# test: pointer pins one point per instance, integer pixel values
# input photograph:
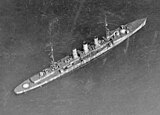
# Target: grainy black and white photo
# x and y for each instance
(79, 57)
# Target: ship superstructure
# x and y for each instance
(80, 57)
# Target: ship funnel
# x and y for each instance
(85, 48)
(75, 55)
(96, 42)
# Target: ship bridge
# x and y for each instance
(64, 61)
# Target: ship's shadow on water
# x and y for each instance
(123, 81)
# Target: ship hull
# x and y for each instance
(135, 26)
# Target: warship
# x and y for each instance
(78, 58)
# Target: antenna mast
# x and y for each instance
(51, 32)
(51, 53)
(106, 27)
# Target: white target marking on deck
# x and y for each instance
(26, 85)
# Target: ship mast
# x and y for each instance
(51, 53)
(106, 27)
(51, 32)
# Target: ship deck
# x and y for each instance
(29, 84)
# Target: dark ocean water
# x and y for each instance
(124, 81)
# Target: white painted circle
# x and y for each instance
(26, 85)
